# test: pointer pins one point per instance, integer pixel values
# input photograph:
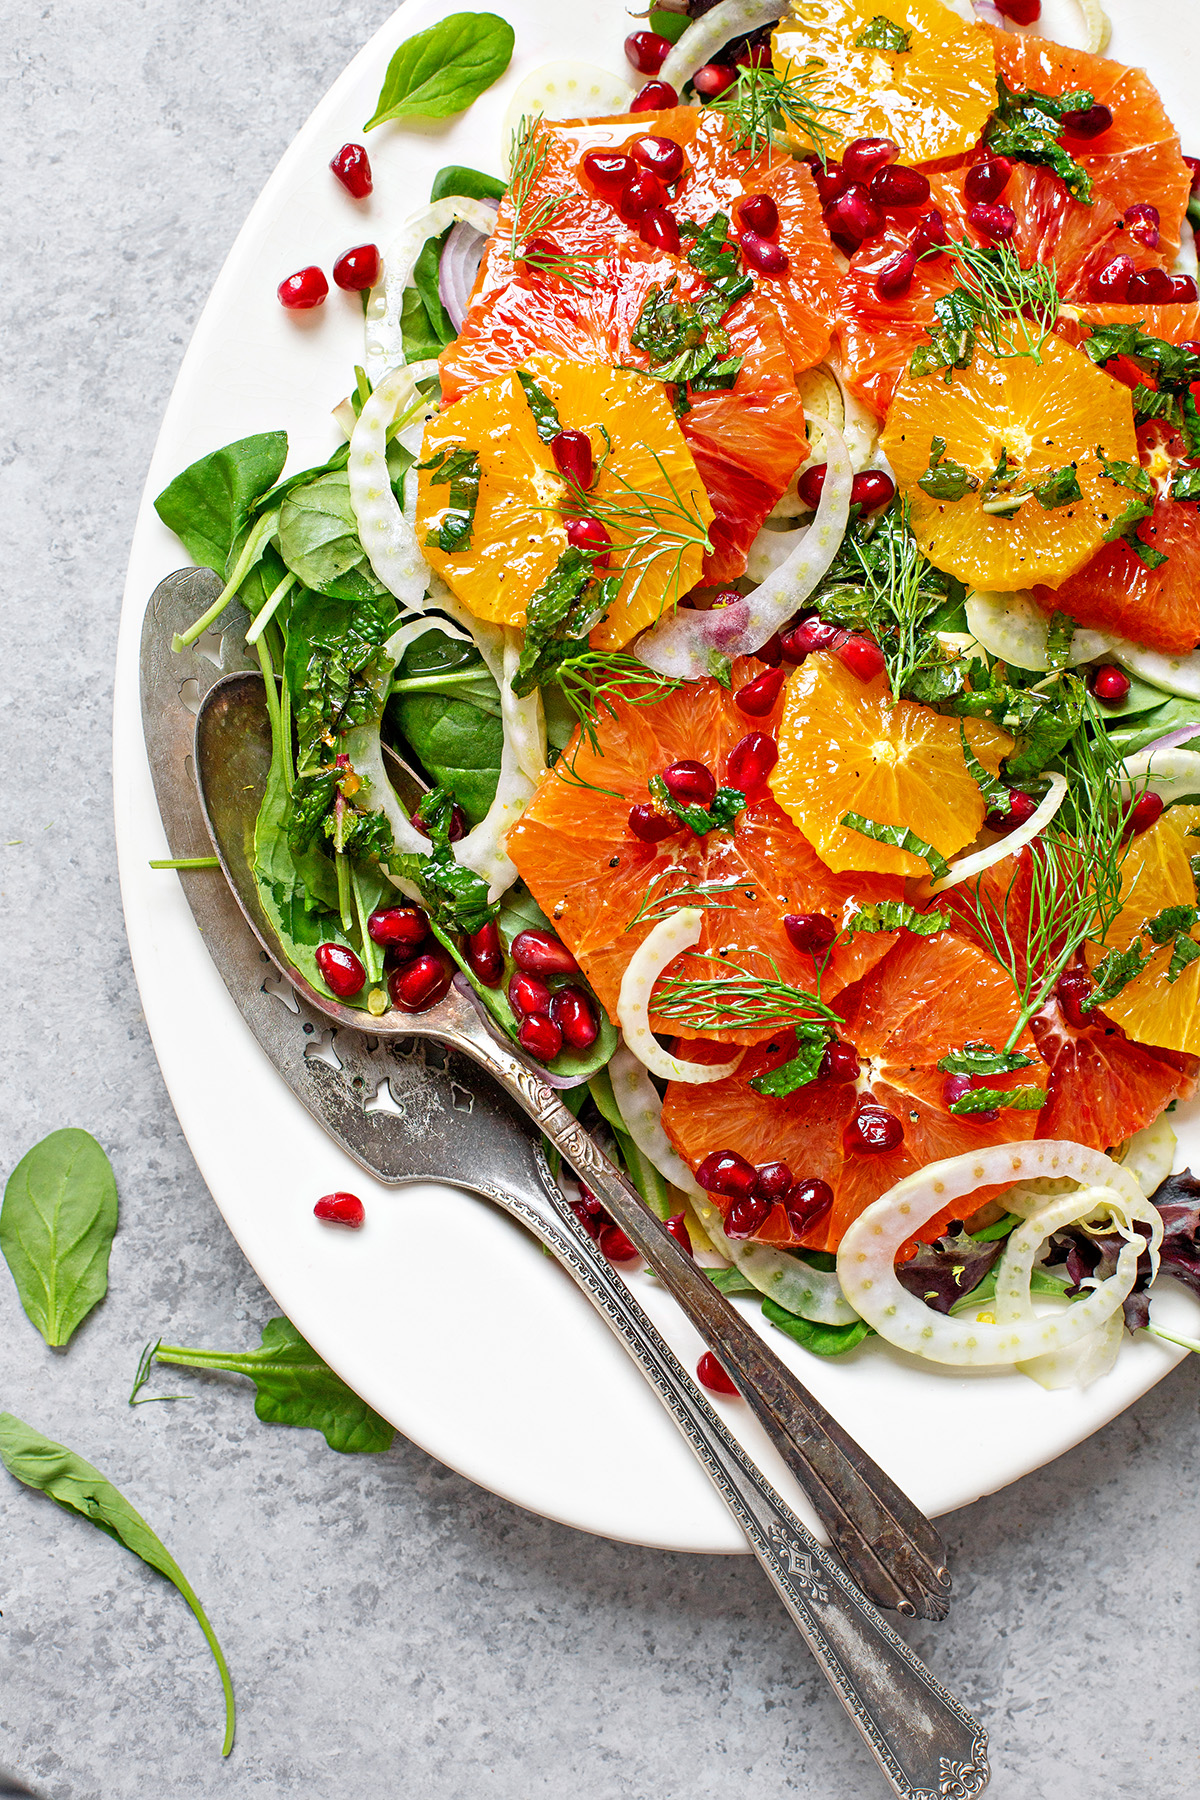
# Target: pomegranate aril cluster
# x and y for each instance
(754, 1191)
(637, 183)
(599, 1224)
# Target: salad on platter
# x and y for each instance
(767, 527)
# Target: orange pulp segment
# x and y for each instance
(1152, 1009)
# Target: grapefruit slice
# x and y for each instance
(846, 747)
(927, 996)
(1043, 418)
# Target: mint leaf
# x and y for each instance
(901, 838)
(884, 34)
(458, 469)
(979, 1058)
(801, 1069)
(719, 815)
(945, 479)
(895, 915)
(1016, 1099)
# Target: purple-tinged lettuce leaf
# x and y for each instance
(941, 1273)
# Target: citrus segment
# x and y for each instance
(932, 98)
(845, 747)
(1115, 591)
(928, 996)
(1152, 1009)
(1102, 1086)
(1043, 418)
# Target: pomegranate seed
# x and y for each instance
(896, 276)
(1091, 123)
(745, 1217)
(713, 79)
(775, 1182)
(771, 652)
(591, 1214)
(1150, 285)
(753, 56)
(677, 1227)
(303, 290)
(871, 489)
(806, 1203)
(763, 255)
(758, 697)
(1183, 290)
(650, 826)
(352, 166)
(1021, 12)
(758, 213)
(609, 171)
(642, 193)
(866, 156)
(1112, 281)
(573, 1013)
(662, 156)
(660, 229)
(616, 1246)
(358, 268)
(1071, 990)
(340, 970)
(839, 1063)
(811, 483)
(751, 761)
(458, 823)
(831, 182)
(340, 1209)
(1193, 163)
(656, 96)
(809, 635)
(987, 179)
(711, 1375)
(997, 222)
(590, 534)
(647, 51)
(725, 1172)
(541, 953)
(874, 1130)
(1147, 810)
(421, 984)
(855, 215)
(810, 933)
(690, 783)
(929, 233)
(572, 453)
(895, 186)
(861, 655)
(1109, 684)
(485, 954)
(398, 927)
(1143, 222)
(541, 1037)
(528, 994)
(1021, 807)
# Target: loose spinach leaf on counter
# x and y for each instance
(57, 1225)
(76, 1486)
(439, 72)
(293, 1386)
(445, 706)
(207, 505)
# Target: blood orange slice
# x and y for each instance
(1103, 1087)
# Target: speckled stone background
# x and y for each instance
(391, 1629)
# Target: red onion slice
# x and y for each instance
(461, 256)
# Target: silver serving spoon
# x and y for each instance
(896, 1555)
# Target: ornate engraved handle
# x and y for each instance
(894, 1552)
(927, 1744)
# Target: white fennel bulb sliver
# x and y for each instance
(701, 41)
(1174, 674)
(384, 326)
(567, 89)
(1168, 773)
(670, 937)
(387, 535)
(1014, 627)
(1150, 1154)
(969, 866)
(523, 716)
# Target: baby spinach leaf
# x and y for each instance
(472, 184)
(76, 1486)
(57, 1225)
(439, 72)
(822, 1340)
(208, 504)
(1163, 715)
(294, 1387)
(318, 532)
(446, 706)
(424, 322)
(730, 1281)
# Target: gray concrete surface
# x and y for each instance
(392, 1630)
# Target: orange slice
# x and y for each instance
(1155, 874)
(1043, 416)
(932, 99)
(646, 472)
(845, 747)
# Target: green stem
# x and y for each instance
(267, 613)
(493, 998)
(345, 897)
(285, 717)
(372, 955)
(186, 862)
(1168, 1337)
(253, 548)
(271, 693)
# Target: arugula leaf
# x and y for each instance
(979, 1058)
(895, 915)
(439, 72)
(945, 479)
(822, 1340)
(208, 503)
(1025, 126)
(545, 413)
(719, 815)
(1014, 1099)
(901, 838)
(446, 707)
(459, 470)
(77, 1487)
(884, 34)
(294, 1387)
(57, 1225)
(812, 1037)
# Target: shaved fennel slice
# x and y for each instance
(701, 41)
(1080, 1363)
(384, 331)
(524, 717)
(669, 937)
(1168, 773)
(640, 1107)
(1174, 674)
(859, 427)
(685, 644)
(1150, 1154)
(866, 1258)
(771, 549)
(387, 536)
(568, 89)
(1014, 627)
(979, 860)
